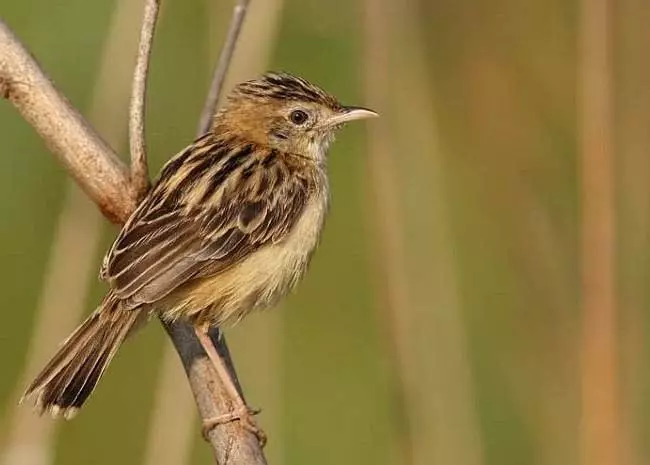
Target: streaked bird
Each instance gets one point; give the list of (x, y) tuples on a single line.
[(228, 228)]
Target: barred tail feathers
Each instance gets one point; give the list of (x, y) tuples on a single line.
[(71, 375)]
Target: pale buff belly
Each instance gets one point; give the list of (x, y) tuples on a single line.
[(258, 281)]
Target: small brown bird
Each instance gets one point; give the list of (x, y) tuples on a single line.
[(228, 228)]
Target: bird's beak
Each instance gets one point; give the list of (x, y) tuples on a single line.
[(351, 114)]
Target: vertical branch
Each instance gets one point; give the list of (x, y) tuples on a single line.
[(236, 22), (601, 438), (232, 444), (137, 142)]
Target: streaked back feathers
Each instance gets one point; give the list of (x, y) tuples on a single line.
[(215, 203), (229, 227)]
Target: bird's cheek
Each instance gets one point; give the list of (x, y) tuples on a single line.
[(279, 140), (279, 135)]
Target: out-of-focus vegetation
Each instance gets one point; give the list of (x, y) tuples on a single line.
[(442, 319)]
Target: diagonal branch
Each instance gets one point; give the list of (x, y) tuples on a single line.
[(86, 156), (236, 22), (105, 179), (137, 141)]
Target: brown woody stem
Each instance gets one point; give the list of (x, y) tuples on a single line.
[(137, 140), (105, 179)]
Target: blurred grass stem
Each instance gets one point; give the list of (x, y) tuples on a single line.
[(30, 439), (435, 385), (225, 58), (601, 436), (386, 219)]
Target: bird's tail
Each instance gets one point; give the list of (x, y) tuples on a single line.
[(70, 377)]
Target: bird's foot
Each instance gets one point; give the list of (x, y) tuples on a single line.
[(242, 414)]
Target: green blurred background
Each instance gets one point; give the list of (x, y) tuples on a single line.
[(480, 294)]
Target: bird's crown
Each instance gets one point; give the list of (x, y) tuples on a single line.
[(285, 86)]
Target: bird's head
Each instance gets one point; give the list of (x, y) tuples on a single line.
[(286, 113)]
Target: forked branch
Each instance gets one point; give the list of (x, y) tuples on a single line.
[(86, 156), (106, 180)]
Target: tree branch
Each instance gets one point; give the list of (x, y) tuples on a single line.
[(231, 443), (236, 22), (105, 179), (90, 161), (137, 140)]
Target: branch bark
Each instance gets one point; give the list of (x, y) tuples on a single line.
[(86, 156), (106, 180), (137, 140)]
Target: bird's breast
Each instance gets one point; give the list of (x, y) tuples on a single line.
[(260, 279)]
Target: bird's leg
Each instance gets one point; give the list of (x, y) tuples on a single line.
[(241, 411)]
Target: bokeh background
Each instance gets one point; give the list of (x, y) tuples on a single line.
[(480, 294)]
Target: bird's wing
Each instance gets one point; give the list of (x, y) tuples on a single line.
[(165, 244)]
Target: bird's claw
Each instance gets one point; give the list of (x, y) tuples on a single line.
[(244, 415)]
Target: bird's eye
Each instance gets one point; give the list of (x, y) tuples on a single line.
[(298, 117)]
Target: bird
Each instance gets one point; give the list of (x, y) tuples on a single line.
[(228, 228)]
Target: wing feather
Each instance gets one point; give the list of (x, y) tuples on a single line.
[(169, 242)]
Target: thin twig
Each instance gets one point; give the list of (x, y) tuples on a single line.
[(137, 140), (236, 22), (96, 168)]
